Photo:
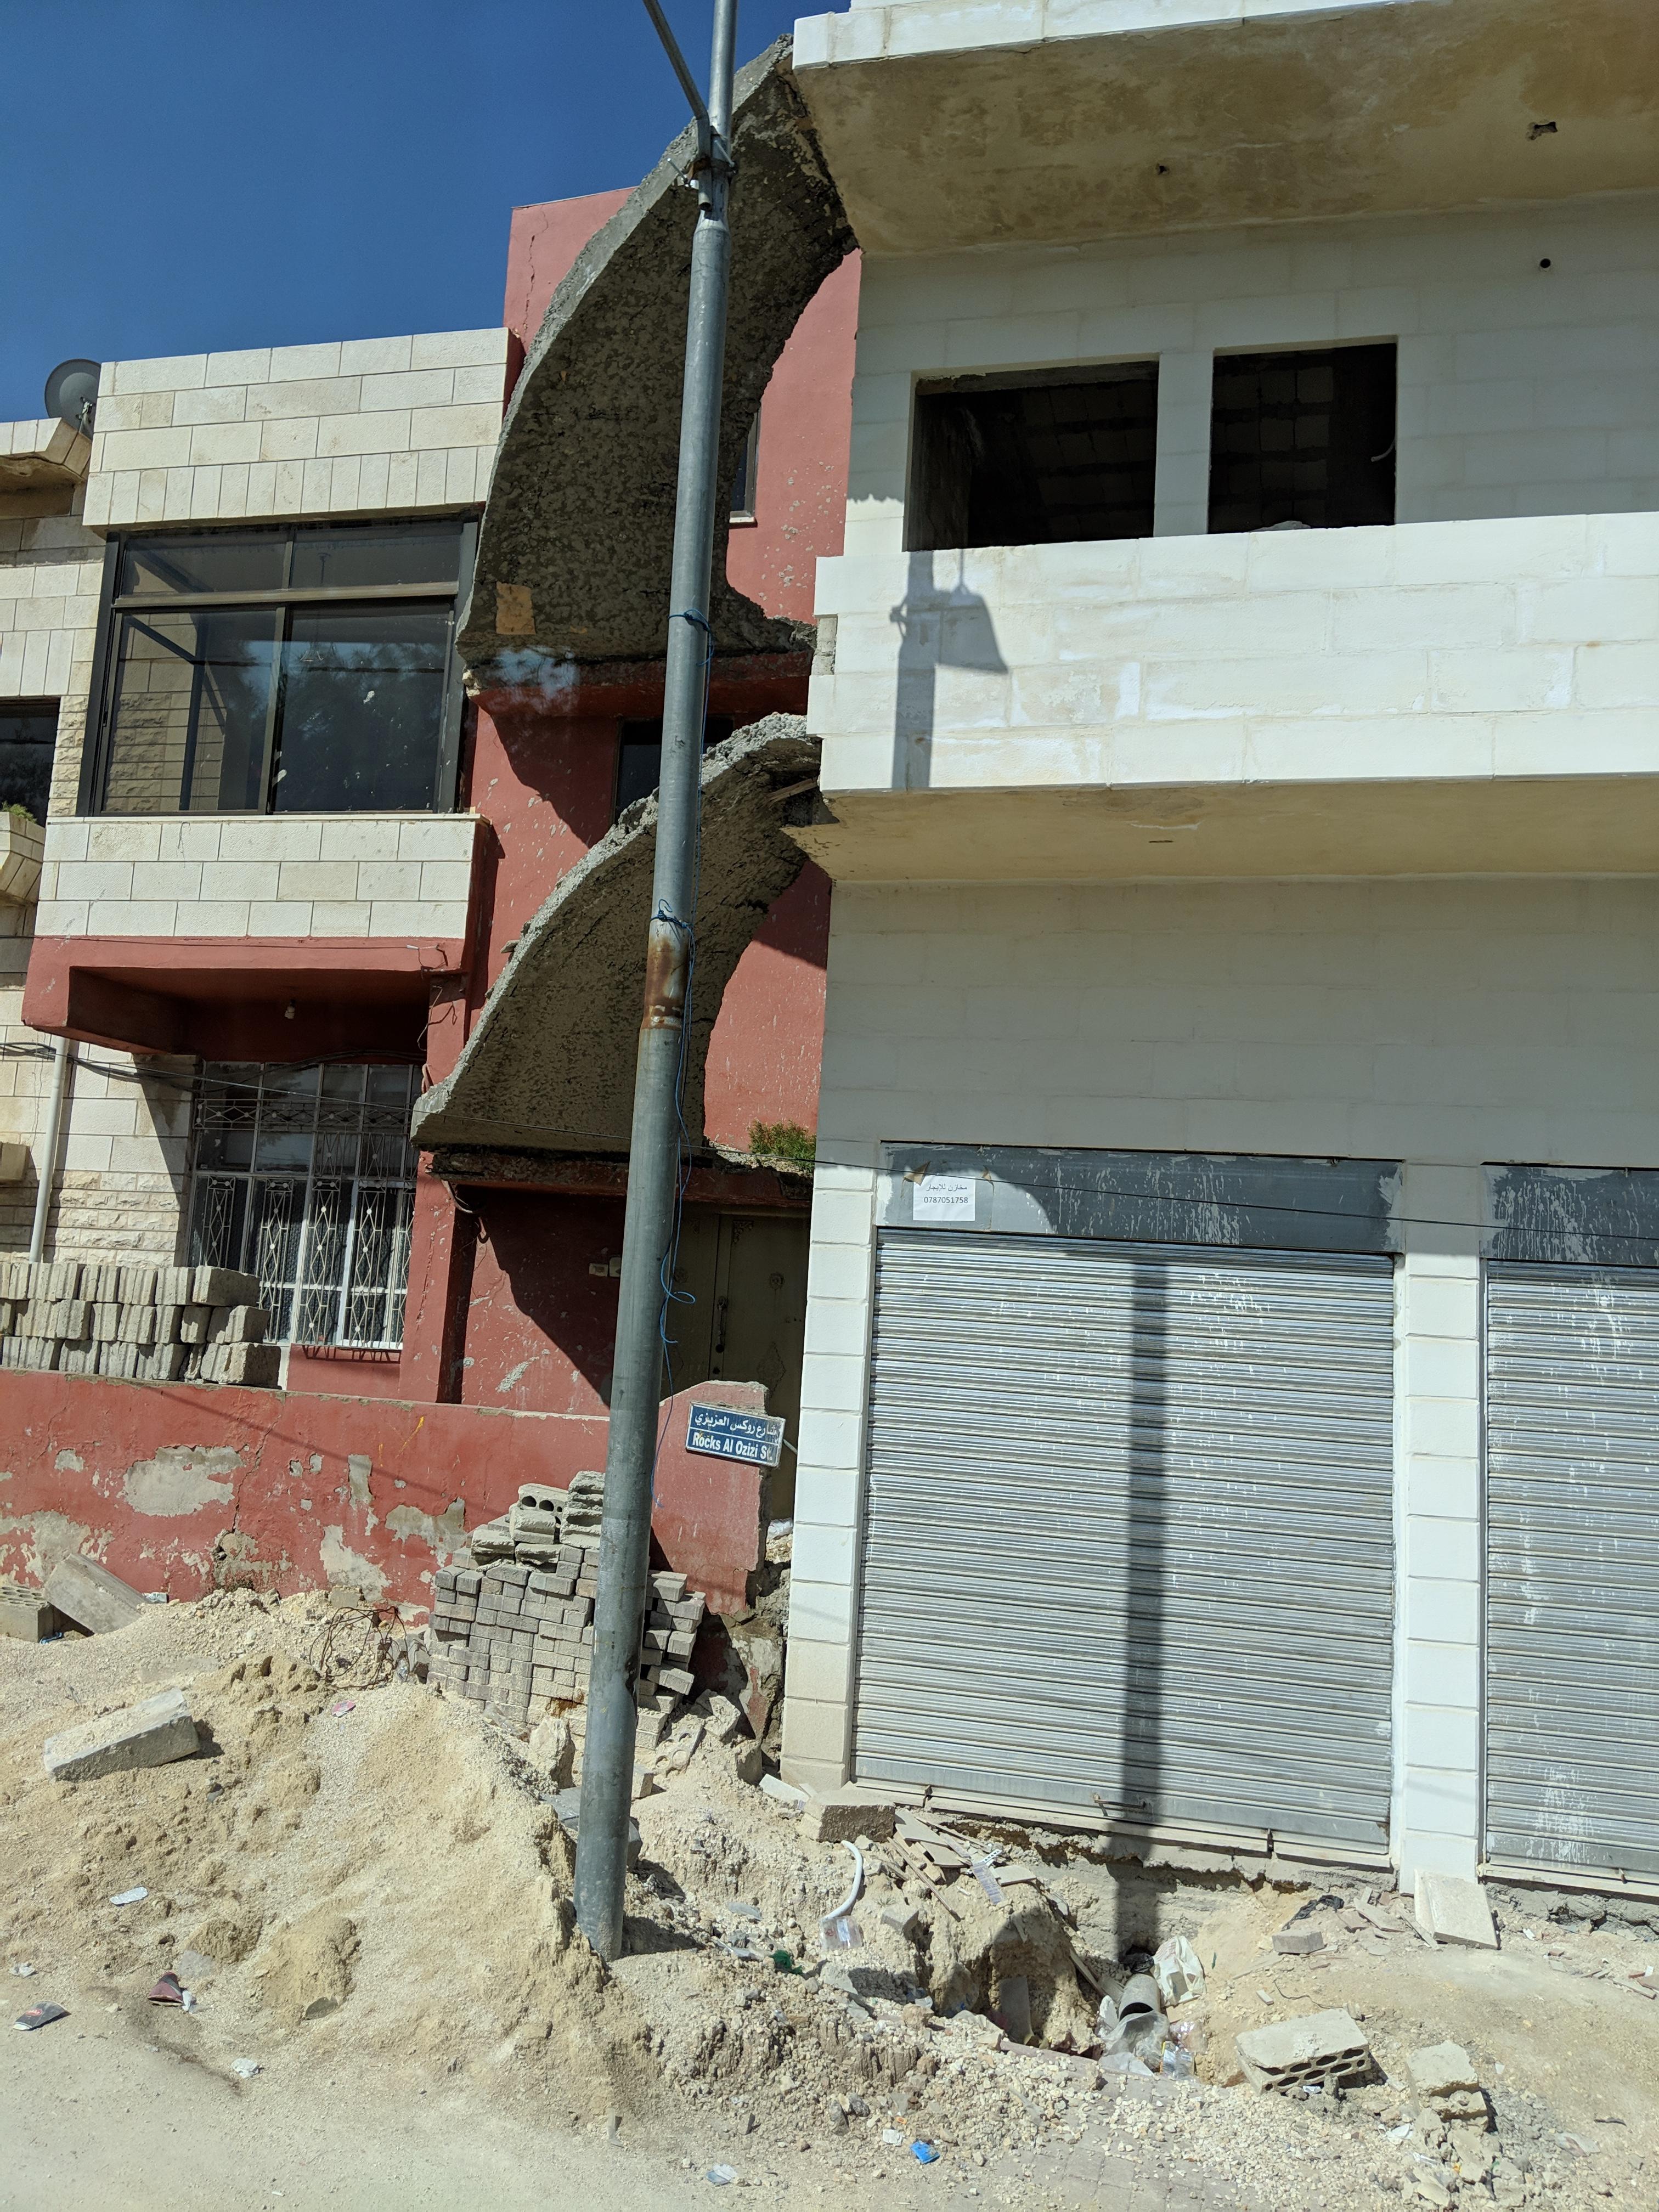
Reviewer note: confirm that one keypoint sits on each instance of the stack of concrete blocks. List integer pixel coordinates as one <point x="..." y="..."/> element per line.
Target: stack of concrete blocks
<point x="518" y="1639"/>
<point x="135" y="1322"/>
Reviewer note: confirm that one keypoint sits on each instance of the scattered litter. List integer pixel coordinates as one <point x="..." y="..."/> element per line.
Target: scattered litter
<point x="1177" y="1970"/>
<point x="24" y="1970"/>
<point x="980" y="1869"/>
<point x="1609" y="2120"/>
<point x="923" y="2152"/>
<point x="130" y="1896"/>
<point x="745" y="1911"/>
<point x="1571" y="2142"/>
<point x="40" y="2015"/>
<point x="342" y="1706"/>
<point x="785" y="1962"/>
<point x="720" y="2175"/>
<point x="891" y="2136"/>
<point x="838" y="1930"/>
<point x="168" y="1991"/>
<point x="1399" y="2134"/>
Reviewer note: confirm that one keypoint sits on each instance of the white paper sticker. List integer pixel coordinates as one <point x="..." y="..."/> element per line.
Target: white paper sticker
<point x="943" y="1198"/>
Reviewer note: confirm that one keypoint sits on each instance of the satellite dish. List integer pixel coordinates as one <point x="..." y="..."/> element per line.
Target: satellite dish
<point x="72" y="392"/>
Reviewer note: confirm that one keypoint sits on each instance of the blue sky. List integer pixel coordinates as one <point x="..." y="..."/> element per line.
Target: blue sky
<point x="180" y="175"/>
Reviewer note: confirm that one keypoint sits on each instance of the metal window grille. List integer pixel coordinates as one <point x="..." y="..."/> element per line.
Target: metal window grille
<point x="304" y="1176"/>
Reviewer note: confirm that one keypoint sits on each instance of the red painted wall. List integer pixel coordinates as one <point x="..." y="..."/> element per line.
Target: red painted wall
<point x="541" y="244"/>
<point x="800" y="477"/>
<point x="175" y="1488"/>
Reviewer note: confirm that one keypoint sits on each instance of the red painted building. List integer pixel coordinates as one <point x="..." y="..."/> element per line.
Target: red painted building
<point x="202" y="1004"/>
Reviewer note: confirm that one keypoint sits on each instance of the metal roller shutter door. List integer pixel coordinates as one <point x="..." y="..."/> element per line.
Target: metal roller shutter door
<point x="1572" y="1579"/>
<point x="1129" y="1532"/>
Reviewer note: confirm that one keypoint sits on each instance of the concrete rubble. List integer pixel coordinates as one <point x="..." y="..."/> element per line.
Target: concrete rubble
<point x="513" y="1632"/>
<point x="1452" y="1908"/>
<point x="26" y="1615"/>
<point x="1324" y="2046"/>
<point x="153" y="1733"/>
<point x="91" y="1596"/>
<point x="135" y="1322"/>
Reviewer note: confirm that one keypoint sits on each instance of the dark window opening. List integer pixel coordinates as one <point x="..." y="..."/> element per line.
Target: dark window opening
<point x="639" y="754"/>
<point x="1303" y="438"/>
<point x="28" y="736"/>
<point x="1058" y="458"/>
<point x="285" y="671"/>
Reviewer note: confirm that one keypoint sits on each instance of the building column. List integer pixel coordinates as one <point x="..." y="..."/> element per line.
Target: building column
<point x="441" y="1247"/>
<point x="1440" y="1582"/>
<point x="818" y="1684"/>
<point x="1180" y="499"/>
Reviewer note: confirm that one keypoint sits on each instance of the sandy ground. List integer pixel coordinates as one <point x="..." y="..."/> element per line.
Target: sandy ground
<point x="372" y="1905"/>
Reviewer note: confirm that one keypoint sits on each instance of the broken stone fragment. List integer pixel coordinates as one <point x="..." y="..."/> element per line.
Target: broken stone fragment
<point x="1317" y="2046"/>
<point x="25" y="1615"/>
<point x="1452" y="1908"/>
<point x="153" y="1733"/>
<point x="91" y="1596"/>
<point x="843" y="1817"/>
<point x="1298" y="1942"/>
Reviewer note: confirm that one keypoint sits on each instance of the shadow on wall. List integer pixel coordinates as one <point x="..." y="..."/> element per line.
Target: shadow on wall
<point x="541" y="1328"/>
<point x="940" y="626"/>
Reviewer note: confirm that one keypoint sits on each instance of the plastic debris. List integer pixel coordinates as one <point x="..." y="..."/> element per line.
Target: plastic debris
<point x="891" y="2136"/>
<point x="342" y="1706"/>
<point x="1177" y="1971"/>
<point x="720" y="2175"/>
<point x="838" y="1930"/>
<point x="247" y="2067"/>
<point x="785" y="1962"/>
<point x="923" y="2152"/>
<point x="1176" y="2064"/>
<point x="130" y="1896"/>
<point x="169" y="1991"/>
<point x="980" y="1869"/>
<point x="23" y="1971"/>
<point x="40" y="2015"/>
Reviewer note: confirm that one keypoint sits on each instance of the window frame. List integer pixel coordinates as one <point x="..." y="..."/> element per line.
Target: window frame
<point x="114" y="607"/>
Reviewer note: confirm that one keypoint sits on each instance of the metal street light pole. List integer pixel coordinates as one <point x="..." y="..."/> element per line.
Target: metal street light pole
<point x="648" y="1234"/>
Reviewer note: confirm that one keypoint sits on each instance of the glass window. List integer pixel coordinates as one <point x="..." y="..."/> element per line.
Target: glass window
<point x="304" y="1176"/>
<point x="28" y="735"/>
<point x="639" y="754"/>
<point x="362" y="691"/>
<point x="285" y="696"/>
<point x="192" y="705"/>
<point x="204" y="561"/>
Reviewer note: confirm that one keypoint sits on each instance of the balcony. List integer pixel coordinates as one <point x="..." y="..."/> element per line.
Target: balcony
<point x="950" y="123"/>
<point x="249" y="937"/>
<point x="1434" y="697"/>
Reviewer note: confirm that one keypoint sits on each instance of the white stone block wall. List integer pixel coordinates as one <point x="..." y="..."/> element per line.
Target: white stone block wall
<point x="1441" y="1022"/>
<point x="1467" y="649"/>
<point x="285" y="433"/>
<point x="1522" y="390"/>
<point x="876" y="28"/>
<point x="259" y="875"/>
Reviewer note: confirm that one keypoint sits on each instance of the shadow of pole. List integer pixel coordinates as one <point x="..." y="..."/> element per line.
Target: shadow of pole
<point x="939" y="627"/>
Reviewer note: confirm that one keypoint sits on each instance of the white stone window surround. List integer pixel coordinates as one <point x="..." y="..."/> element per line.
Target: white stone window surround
<point x="356" y="427"/>
<point x="259" y="875"/>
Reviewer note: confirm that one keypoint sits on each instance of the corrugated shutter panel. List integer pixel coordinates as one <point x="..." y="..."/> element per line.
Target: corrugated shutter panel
<point x="1129" y="1532"/>
<point x="1572" y="1587"/>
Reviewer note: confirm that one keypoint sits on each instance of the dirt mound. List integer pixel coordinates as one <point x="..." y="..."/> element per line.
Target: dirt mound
<point x="369" y="1882"/>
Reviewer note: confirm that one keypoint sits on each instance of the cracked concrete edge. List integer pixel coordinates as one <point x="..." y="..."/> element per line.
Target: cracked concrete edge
<point x="574" y="550"/>
<point x="549" y="1063"/>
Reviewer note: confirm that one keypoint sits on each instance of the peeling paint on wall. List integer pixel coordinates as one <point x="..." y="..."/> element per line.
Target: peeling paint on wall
<point x="180" y="1479"/>
<point x="347" y="1568"/>
<point x="32" y="1544"/>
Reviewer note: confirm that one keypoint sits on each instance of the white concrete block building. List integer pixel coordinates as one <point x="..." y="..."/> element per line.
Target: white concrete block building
<point x="1230" y="1414"/>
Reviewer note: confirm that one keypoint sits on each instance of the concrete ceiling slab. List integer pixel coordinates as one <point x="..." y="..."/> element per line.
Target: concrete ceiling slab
<point x="573" y="552"/>
<point x="549" y="1065"/>
<point x="958" y="129"/>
